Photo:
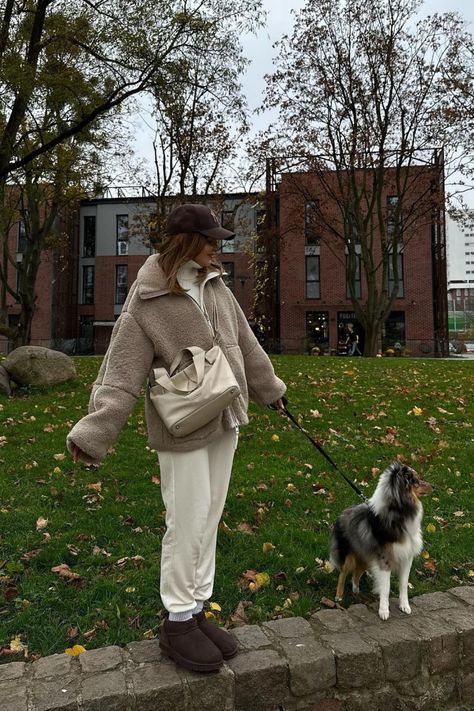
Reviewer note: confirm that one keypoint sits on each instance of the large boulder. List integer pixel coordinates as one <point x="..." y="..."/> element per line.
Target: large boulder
<point x="34" y="365"/>
<point x="5" y="386"/>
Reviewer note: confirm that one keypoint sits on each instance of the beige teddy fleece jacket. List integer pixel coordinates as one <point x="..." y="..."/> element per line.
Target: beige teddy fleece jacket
<point x="153" y="326"/>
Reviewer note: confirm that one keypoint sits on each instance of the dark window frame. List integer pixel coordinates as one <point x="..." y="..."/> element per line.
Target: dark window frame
<point x="22" y="239"/>
<point x="89" y="236"/>
<point x="317" y="281"/>
<point x="317" y="336"/>
<point x="393" y="217"/>
<point x="119" y="235"/>
<point x="88" y="285"/>
<point x="121" y="289"/>
<point x="312" y="223"/>
<point x="358" y="277"/>
<point x="401" y="275"/>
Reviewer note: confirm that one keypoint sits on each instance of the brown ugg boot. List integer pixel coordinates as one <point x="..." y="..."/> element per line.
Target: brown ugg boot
<point x="222" y="639"/>
<point x="189" y="646"/>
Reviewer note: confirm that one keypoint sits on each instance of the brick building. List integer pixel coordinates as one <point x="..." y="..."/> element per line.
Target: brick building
<point x="315" y="307"/>
<point x="113" y="245"/>
<point x="55" y="314"/>
<point x="306" y="301"/>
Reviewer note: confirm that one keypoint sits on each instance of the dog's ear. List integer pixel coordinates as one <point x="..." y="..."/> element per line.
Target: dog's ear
<point x="408" y="476"/>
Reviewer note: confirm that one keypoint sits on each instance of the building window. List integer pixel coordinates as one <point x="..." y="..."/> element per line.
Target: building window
<point x="394" y="330"/>
<point x="317" y="329"/>
<point x="88" y="247"/>
<point x="313" y="285"/>
<point x="88" y="285"/>
<point x="355" y="277"/>
<point x="391" y="275"/>
<point x="121" y="283"/>
<point x="227" y="222"/>
<point x="229" y="276"/>
<point x="22" y="238"/>
<point x="394" y="219"/>
<point x="122" y="235"/>
<point x="19" y="267"/>
<point x="312" y="226"/>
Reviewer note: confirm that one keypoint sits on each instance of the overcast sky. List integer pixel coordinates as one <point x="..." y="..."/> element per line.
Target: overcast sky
<point x="280" y="21"/>
<point x="259" y="49"/>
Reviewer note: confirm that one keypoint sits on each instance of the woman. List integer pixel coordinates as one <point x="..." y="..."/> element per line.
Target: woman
<point x="179" y="300"/>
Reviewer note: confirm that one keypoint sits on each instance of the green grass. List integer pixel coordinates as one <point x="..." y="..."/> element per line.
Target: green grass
<point x="281" y="487"/>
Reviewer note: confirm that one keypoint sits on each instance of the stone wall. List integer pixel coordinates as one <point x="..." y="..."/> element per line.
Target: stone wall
<point x="339" y="660"/>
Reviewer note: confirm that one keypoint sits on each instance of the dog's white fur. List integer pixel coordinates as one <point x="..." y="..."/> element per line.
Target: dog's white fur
<point x="382" y="535"/>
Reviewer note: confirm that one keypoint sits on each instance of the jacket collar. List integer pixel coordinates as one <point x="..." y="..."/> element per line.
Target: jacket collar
<point x="151" y="281"/>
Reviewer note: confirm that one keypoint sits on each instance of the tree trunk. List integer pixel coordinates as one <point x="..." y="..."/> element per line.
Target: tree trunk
<point x="372" y="340"/>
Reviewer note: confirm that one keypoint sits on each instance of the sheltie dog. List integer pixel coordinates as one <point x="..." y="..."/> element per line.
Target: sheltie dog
<point x="382" y="535"/>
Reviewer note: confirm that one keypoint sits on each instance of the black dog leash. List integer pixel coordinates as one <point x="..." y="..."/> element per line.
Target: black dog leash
<point x="320" y="449"/>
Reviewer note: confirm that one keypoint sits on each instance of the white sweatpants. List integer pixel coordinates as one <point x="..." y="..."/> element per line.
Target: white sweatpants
<point x="194" y="488"/>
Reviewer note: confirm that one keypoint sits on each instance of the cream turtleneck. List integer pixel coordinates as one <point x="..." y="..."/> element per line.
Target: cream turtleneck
<point x="187" y="278"/>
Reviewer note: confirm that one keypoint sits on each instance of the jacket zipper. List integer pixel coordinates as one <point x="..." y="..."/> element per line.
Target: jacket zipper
<point x="206" y="317"/>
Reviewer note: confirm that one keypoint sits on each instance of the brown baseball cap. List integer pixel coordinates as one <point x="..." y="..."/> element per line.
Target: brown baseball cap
<point x="196" y="218"/>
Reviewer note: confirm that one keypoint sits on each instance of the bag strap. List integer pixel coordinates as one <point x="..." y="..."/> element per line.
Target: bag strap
<point x="163" y="378"/>
<point x="195" y="352"/>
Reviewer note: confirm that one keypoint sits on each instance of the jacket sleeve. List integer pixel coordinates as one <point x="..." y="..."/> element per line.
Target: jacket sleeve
<point x="263" y="385"/>
<point x="125" y="366"/>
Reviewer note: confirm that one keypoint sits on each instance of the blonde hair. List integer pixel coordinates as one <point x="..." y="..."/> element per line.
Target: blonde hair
<point x="178" y="249"/>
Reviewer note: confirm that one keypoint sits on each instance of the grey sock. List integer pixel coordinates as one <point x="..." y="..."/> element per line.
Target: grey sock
<point x="180" y="616"/>
<point x="198" y="608"/>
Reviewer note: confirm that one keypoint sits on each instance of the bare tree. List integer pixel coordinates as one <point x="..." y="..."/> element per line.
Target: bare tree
<point x="358" y="88"/>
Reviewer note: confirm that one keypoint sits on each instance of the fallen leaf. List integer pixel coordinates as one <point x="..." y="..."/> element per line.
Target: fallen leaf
<point x="215" y="606"/>
<point x="431" y="528"/>
<point x="245" y="527"/>
<point x="64" y="571"/>
<point x="262" y="579"/>
<point x="59" y="457"/>
<point x="266" y="547"/>
<point x="95" y="487"/>
<point x="16" y="645"/>
<point x="156" y="480"/>
<point x="327" y="602"/>
<point x="275" y="438"/>
<point x="41" y="523"/>
<point x="11" y="593"/>
<point x="239" y="616"/>
<point x="75" y="651"/>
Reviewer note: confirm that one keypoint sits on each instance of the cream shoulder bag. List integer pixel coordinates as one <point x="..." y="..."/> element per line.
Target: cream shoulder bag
<point x="192" y="397"/>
